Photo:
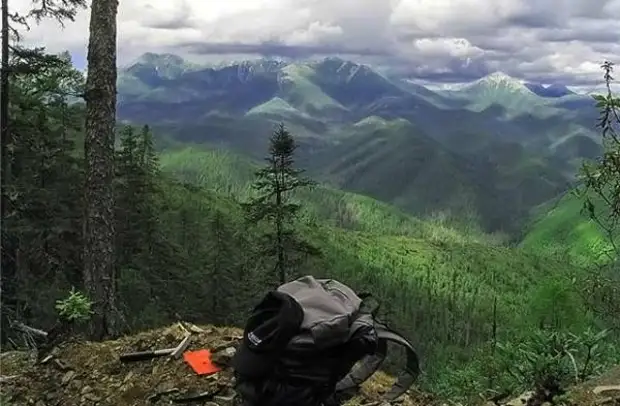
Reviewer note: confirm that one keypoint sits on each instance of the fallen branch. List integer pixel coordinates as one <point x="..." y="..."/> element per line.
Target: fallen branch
<point x="182" y="327"/>
<point x="157" y="396"/>
<point x="27" y="329"/>
<point x="607" y="401"/>
<point x="7" y="378"/>
<point x="200" y="397"/>
<point x="610" y="399"/>
<point x="606" y="388"/>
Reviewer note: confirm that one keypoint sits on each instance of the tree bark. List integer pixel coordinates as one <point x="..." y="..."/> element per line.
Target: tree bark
<point x="6" y="251"/>
<point x="99" y="260"/>
<point x="279" y="221"/>
<point x="4" y="103"/>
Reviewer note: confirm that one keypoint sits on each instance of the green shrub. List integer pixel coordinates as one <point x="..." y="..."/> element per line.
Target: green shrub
<point x="76" y="307"/>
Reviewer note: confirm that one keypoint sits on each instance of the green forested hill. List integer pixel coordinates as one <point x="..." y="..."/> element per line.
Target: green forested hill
<point x="493" y="185"/>
<point x="497" y="148"/>
<point x="396" y="162"/>
<point x="560" y="227"/>
<point x="230" y="174"/>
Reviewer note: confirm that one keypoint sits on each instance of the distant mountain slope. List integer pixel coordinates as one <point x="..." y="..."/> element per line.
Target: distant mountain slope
<point x="230" y="174"/>
<point x="502" y="90"/>
<point x="396" y="162"/>
<point x="554" y="90"/>
<point x="468" y="150"/>
<point x="336" y="92"/>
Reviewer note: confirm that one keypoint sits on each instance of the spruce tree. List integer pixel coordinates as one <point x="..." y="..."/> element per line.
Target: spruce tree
<point x="100" y="95"/>
<point x="41" y="226"/>
<point x="274" y="185"/>
<point x="223" y="269"/>
<point x="16" y="61"/>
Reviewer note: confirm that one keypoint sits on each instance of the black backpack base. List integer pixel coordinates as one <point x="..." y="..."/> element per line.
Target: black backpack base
<point x="279" y="393"/>
<point x="301" y="344"/>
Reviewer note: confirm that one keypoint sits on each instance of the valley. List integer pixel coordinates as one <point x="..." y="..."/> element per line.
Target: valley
<point x="493" y="150"/>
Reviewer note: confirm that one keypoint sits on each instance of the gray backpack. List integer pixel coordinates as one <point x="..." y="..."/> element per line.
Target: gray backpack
<point x="302" y="341"/>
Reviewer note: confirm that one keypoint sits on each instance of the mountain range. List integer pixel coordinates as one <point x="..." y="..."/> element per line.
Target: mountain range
<point x="491" y="150"/>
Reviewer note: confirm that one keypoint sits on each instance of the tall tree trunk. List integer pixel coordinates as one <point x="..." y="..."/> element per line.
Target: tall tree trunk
<point x="99" y="266"/>
<point x="4" y="102"/>
<point x="6" y="257"/>
<point x="279" y="230"/>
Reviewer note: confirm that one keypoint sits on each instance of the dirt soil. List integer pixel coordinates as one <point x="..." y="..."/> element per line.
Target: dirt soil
<point x="601" y="391"/>
<point x="86" y="373"/>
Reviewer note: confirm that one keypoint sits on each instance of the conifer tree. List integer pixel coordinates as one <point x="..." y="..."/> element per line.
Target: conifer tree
<point x="223" y="272"/>
<point x="274" y="184"/>
<point x="42" y="223"/>
<point x="17" y="60"/>
<point x="100" y="95"/>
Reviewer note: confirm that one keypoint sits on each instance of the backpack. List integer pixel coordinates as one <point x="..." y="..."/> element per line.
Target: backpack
<point x="303" y="339"/>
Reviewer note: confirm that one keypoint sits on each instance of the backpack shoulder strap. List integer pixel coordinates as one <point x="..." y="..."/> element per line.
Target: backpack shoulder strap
<point x="365" y="296"/>
<point x="364" y="369"/>
<point x="412" y="368"/>
<point x="371" y="363"/>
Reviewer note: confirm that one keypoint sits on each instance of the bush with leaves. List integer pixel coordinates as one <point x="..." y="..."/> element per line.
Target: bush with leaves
<point x="553" y="359"/>
<point x="75" y="308"/>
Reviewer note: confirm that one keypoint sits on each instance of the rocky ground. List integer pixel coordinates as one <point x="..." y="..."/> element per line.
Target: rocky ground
<point x="84" y="373"/>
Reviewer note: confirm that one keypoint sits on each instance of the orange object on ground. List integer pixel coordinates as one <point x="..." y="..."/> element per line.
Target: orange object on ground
<point x="200" y="361"/>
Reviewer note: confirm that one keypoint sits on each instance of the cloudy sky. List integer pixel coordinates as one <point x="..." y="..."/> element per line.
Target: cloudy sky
<point x="431" y="40"/>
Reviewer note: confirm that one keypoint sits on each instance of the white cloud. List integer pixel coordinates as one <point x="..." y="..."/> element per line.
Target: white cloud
<point x="452" y="16"/>
<point x="451" y="47"/>
<point x="567" y="39"/>
<point x="316" y="32"/>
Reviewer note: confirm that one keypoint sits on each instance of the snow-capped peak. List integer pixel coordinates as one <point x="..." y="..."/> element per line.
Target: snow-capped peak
<point x="499" y="80"/>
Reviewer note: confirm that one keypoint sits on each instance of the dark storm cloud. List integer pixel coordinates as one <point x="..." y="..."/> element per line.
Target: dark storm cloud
<point x="533" y="20"/>
<point x="278" y="49"/>
<point x="595" y="35"/>
<point x="172" y="24"/>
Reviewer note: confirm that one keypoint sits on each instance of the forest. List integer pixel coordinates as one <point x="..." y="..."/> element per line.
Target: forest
<point x="105" y="232"/>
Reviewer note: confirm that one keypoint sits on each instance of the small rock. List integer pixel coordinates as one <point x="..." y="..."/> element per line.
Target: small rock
<point x="165" y="387"/>
<point x="61" y="365"/>
<point x="227" y="400"/>
<point x="194" y="328"/>
<point x="67" y="377"/>
<point x="128" y="377"/>
<point x="224" y="356"/>
<point x="85" y="390"/>
<point x="91" y="397"/>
